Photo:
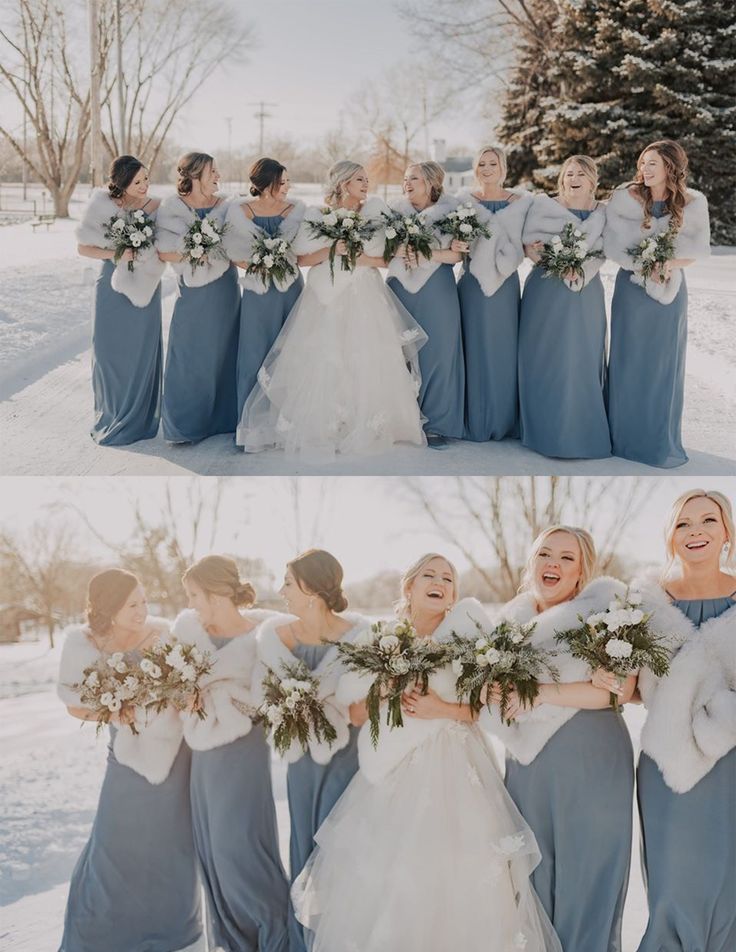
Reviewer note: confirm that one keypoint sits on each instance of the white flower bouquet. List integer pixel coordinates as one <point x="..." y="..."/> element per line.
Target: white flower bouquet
<point x="504" y="657"/>
<point x="292" y="709"/>
<point x="409" y="230"/>
<point x="130" y="230"/>
<point x="112" y="686"/>
<point x="270" y="260"/>
<point x="343" y="224"/>
<point x="397" y="659"/>
<point x="463" y="224"/>
<point x="619" y="640"/>
<point x="172" y="673"/>
<point x="203" y="240"/>
<point x="565" y="254"/>
<point x="652" y="251"/>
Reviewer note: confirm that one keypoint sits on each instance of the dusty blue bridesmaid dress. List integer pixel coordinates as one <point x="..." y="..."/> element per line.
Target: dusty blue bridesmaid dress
<point x="490" y="343"/>
<point x="135" y="885"/>
<point x="261" y="318"/>
<point x="436" y="308"/>
<point x="689" y="844"/>
<point x="577" y="796"/>
<point x="562" y="367"/>
<point x="646" y="372"/>
<point x="126" y="365"/>
<point x="313" y="790"/>
<point x="236" y="838"/>
<point x="200" y="393"/>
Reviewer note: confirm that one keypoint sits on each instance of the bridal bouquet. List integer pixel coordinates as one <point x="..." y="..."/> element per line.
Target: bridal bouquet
<point x="270" y="260"/>
<point x="203" y="240"/>
<point x="565" y="253"/>
<point x="111" y="686"/>
<point x="652" y="251"/>
<point x="618" y="640"/>
<point x="503" y="657"/>
<point x="130" y="230"/>
<point x="397" y="658"/>
<point x="171" y="673"/>
<point x="463" y="223"/>
<point x="343" y="224"/>
<point x="292" y="709"/>
<point x="409" y="230"/>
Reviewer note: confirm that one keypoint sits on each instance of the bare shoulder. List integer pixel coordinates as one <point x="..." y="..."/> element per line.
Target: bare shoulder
<point x="153" y="204"/>
<point x="286" y="635"/>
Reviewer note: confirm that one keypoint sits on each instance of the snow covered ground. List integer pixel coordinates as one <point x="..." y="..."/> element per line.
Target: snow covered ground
<point x="52" y="767"/>
<point x="45" y="395"/>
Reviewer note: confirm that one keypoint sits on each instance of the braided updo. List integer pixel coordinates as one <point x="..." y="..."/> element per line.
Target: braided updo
<point x="319" y="573"/>
<point x="107" y="593"/>
<point x="123" y="170"/>
<point x="219" y="575"/>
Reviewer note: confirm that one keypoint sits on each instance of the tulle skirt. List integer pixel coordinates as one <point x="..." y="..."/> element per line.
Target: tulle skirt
<point x="433" y="857"/>
<point x="342" y="376"/>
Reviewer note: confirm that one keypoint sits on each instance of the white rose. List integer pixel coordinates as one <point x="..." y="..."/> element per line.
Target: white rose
<point x="578" y="233"/>
<point x="196" y="655"/>
<point x="136" y="239"/>
<point x="197" y="251"/>
<point x="457" y="667"/>
<point x="517" y="637"/>
<point x="617" y="648"/>
<point x="283" y="246"/>
<point x="581" y="248"/>
<point x="256" y="259"/>
<point x="556" y="242"/>
<point x="121" y="667"/>
<point x="268" y="261"/>
<point x="636" y="616"/>
<point x="481" y="644"/>
<point x="138" y="214"/>
<point x="493" y="656"/>
<point x="115" y="704"/>
<point x="188" y="673"/>
<point x="413" y="229"/>
<point x="131" y="683"/>
<point x="634" y="598"/>
<point x="197" y="238"/>
<point x="465" y="228"/>
<point x="399" y="665"/>
<point x="390" y="232"/>
<point x="148" y="231"/>
<point x="291" y="702"/>
<point x="106" y="698"/>
<point x="330" y="219"/>
<point x="388" y="643"/>
<point x="482" y="660"/>
<point x="155" y="671"/>
<point x="92" y="679"/>
<point x="147" y="666"/>
<point x="116" y="658"/>
<point x="118" y="224"/>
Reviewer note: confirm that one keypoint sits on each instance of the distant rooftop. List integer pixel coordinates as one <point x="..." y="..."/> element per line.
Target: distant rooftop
<point x="457" y="163"/>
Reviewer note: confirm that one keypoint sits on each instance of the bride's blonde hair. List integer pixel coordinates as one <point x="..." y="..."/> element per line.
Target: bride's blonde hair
<point x="337" y="178"/>
<point x="403" y="605"/>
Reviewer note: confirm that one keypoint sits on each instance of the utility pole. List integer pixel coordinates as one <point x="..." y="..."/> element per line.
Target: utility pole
<point x="123" y="146"/>
<point x="229" y="121"/>
<point x="25" y="136"/>
<point x="261" y="116"/>
<point x="94" y="97"/>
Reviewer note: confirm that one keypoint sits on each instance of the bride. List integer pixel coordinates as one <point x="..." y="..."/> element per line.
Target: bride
<point x="343" y="375"/>
<point x="439" y="856"/>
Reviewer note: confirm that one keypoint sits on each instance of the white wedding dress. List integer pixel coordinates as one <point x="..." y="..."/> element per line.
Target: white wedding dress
<point x="425" y="851"/>
<point x="343" y="375"/>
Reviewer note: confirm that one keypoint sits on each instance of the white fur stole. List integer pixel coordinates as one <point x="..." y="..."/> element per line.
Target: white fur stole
<point x="242" y="232"/>
<point x="414" y="279"/>
<point x="493" y="259"/>
<point x="175" y="218"/>
<point x="546" y="218"/>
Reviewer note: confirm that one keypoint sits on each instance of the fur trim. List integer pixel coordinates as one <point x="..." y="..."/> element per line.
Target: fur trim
<point x="546" y="218"/>
<point x="413" y="281"/>
<point x="691" y="720"/>
<point x="624" y="230"/>
<point x="530" y="731"/>
<point x="139" y="285"/>
<point x="241" y="233"/>
<point x="175" y="219"/>
<point x="493" y="259"/>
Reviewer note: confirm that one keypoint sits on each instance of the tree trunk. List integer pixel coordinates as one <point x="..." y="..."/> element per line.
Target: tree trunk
<point x="60" y="199"/>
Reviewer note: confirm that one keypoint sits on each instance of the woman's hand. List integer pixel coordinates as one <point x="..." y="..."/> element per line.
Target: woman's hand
<point x="514" y="704"/>
<point x="424" y="706"/>
<point x="607" y="681"/>
<point x="341" y="248"/>
<point x="534" y="251"/>
<point x="661" y="272"/>
<point x="194" y="704"/>
<point x="460" y="247"/>
<point x="127" y="255"/>
<point x="408" y="255"/>
<point x="358" y="713"/>
<point x="125" y="716"/>
<point x="241" y="264"/>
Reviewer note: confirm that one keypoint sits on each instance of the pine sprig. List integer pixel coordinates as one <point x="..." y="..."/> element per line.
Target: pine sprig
<point x="652" y="251"/>
<point x="346" y="225"/>
<point x="409" y="230"/>
<point x="292" y="709"/>
<point x="566" y="253"/>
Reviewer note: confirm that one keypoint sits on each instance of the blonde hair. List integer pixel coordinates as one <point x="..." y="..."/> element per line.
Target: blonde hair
<point x="403" y="605"/>
<point x="189" y="168"/>
<point x="588" y="555"/>
<point x="723" y="503"/>
<point x="337" y="178"/>
<point x="317" y="572"/>
<point x="676" y="165"/>
<point x="590" y="171"/>
<point x="433" y="175"/>
<point x="219" y="575"/>
<point x="500" y="155"/>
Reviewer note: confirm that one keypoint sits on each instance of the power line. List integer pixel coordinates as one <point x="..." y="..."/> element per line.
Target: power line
<point x="261" y="116"/>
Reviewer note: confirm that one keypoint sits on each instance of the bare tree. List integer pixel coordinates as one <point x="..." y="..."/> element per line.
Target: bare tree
<point x="493" y="520"/>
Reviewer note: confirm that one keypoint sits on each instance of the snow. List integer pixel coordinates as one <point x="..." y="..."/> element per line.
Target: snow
<point x="52" y="770"/>
<point x="46" y="403"/>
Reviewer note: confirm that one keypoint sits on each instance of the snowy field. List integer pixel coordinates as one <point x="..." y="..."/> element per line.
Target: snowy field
<point x="52" y="768"/>
<point x="45" y="395"/>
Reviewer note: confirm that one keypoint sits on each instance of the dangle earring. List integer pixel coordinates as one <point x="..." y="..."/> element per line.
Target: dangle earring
<point x="310" y="603"/>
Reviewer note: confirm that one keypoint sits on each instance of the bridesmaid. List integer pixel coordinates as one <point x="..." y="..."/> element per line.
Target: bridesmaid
<point x="200" y="396"/>
<point x="687" y="768"/>
<point x="489" y="302"/>
<point x="233" y="811"/>
<point x="126" y="334"/>
<point x="562" y="329"/>
<point x="313" y="593"/>
<point x="263" y="310"/>
<point x="649" y="319"/>
<point x="570" y="769"/>
<point x="135" y="884"/>
<point x="428" y="291"/>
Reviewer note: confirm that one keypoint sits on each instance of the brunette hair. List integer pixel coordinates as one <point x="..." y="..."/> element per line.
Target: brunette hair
<point x="319" y="573"/>
<point x="190" y="167"/>
<point x="337" y="178"/>
<point x="588" y="555"/>
<point x="676" y="165"/>
<point x="590" y="171"/>
<point x="107" y="593"/>
<point x="434" y="176"/>
<point x="721" y="501"/>
<point x="122" y="171"/>
<point x="265" y="176"/>
<point x="403" y="606"/>
<point x="219" y="575"/>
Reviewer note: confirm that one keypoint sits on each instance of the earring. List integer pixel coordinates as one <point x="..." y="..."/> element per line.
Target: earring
<point x="311" y="601"/>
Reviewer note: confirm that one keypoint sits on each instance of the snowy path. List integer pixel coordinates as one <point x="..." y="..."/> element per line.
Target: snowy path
<point x="46" y="398"/>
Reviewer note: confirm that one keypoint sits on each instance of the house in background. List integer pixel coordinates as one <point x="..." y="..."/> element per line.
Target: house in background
<point x="15" y="620"/>
<point x="458" y="169"/>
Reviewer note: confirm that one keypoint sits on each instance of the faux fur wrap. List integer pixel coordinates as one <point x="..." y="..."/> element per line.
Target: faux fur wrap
<point x="493" y="259"/>
<point x="397" y="744"/>
<point x="227" y="689"/>
<point x="624" y="230"/>
<point x="175" y="219"/>
<point x="546" y="218"/>
<point x="152" y="751"/>
<point x="273" y="654"/>
<point x="415" y="278"/>
<point x="138" y="285"/>
<point x="530" y="730"/>
<point x="691" y="719"/>
<point x="242" y="232"/>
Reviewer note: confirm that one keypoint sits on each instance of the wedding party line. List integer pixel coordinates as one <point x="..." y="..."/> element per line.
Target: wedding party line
<point x="347" y="363"/>
<point x="405" y="833"/>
